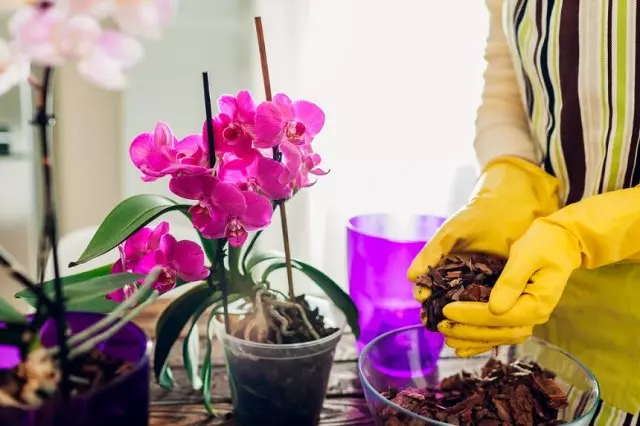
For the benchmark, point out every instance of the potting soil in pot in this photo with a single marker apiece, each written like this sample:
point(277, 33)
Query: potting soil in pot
point(287, 390)
point(520, 393)
point(36, 381)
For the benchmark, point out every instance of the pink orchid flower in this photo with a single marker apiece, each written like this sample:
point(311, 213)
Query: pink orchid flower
point(149, 247)
point(283, 120)
point(141, 243)
point(179, 259)
point(160, 154)
point(258, 173)
point(234, 125)
point(310, 163)
point(223, 210)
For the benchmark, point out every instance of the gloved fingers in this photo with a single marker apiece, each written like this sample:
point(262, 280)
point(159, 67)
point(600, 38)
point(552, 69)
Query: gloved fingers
point(430, 255)
point(483, 334)
point(459, 344)
point(522, 264)
point(525, 312)
point(421, 293)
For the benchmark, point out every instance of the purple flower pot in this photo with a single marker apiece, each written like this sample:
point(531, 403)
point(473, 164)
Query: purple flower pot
point(380, 249)
point(124, 401)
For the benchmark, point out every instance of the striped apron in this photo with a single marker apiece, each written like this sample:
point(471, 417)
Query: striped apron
point(579, 74)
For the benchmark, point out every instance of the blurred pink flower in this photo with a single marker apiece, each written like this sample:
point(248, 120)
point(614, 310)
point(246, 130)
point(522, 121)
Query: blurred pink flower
point(283, 120)
point(160, 154)
point(223, 210)
point(149, 247)
point(258, 173)
point(143, 18)
point(54, 33)
point(14, 67)
point(51, 37)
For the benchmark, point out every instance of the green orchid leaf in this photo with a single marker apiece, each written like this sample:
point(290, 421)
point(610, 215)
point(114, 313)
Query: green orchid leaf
point(207, 367)
point(9, 314)
point(98, 304)
point(174, 318)
point(124, 220)
point(248, 250)
point(100, 285)
point(166, 379)
point(207, 361)
point(191, 347)
point(69, 280)
point(92, 287)
point(326, 284)
point(263, 256)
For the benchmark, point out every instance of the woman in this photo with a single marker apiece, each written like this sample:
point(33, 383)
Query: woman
point(558, 137)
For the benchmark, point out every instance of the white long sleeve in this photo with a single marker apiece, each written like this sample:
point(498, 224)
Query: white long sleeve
point(502, 127)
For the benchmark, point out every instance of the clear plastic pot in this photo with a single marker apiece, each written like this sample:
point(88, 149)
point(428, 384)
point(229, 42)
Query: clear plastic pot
point(280, 384)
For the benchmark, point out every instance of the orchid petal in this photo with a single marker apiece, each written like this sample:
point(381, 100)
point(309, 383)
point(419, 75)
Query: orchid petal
point(124, 49)
point(269, 123)
point(136, 245)
point(141, 146)
point(162, 135)
point(191, 187)
point(157, 234)
point(102, 70)
point(283, 102)
point(246, 107)
point(258, 212)
point(188, 261)
point(228, 106)
point(311, 115)
point(292, 160)
point(139, 18)
point(269, 174)
point(216, 226)
point(167, 249)
point(229, 199)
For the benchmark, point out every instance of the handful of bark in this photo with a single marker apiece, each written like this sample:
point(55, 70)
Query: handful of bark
point(520, 393)
point(466, 278)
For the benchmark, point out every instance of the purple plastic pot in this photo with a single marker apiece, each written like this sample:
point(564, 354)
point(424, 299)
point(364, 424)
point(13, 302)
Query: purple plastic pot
point(380, 249)
point(124, 401)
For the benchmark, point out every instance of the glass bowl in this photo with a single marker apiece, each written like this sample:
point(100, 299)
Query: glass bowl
point(404, 358)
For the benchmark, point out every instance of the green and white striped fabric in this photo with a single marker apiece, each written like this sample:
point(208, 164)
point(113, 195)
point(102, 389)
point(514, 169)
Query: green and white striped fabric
point(579, 71)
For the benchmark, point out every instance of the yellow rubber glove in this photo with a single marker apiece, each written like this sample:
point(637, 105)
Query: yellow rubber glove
point(597, 231)
point(509, 195)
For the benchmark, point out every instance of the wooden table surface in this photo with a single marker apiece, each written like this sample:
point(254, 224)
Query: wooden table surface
point(182, 406)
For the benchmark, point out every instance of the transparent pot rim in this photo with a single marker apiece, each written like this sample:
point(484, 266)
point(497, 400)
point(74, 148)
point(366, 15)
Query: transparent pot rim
point(340, 322)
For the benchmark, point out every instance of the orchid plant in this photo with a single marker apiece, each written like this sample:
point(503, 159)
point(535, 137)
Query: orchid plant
point(230, 198)
point(230, 176)
point(103, 39)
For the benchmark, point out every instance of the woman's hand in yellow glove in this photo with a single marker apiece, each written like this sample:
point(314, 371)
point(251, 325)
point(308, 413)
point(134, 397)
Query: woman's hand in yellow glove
point(539, 266)
point(597, 231)
point(510, 194)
